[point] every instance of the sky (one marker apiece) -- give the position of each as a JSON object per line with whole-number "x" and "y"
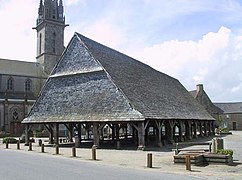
{"x": 194, "y": 41}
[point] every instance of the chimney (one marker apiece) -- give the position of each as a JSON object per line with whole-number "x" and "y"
{"x": 199, "y": 88}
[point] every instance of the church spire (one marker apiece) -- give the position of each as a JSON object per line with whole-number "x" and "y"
{"x": 50, "y": 33}
{"x": 40, "y": 12}
{"x": 61, "y": 3}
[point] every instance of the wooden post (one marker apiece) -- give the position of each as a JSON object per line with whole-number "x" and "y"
{"x": 141, "y": 136}
{"x": 30, "y": 146}
{"x": 27, "y": 129}
{"x": 74, "y": 151}
{"x": 56, "y": 133}
{"x": 188, "y": 163}
{"x": 57, "y": 149}
{"x": 18, "y": 145}
{"x": 96, "y": 140}
{"x": 149, "y": 160}
{"x": 94, "y": 153}
{"x": 42, "y": 148}
{"x": 7, "y": 144}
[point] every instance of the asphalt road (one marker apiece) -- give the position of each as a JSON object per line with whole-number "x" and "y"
{"x": 16, "y": 165}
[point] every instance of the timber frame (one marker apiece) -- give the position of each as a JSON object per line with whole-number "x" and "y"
{"x": 155, "y": 133}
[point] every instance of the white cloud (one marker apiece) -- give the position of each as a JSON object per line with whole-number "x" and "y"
{"x": 74, "y": 2}
{"x": 105, "y": 32}
{"x": 213, "y": 60}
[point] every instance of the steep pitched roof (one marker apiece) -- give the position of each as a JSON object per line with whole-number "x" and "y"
{"x": 21, "y": 68}
{"x": 202, "y": 97}
{"x": 235, "y": 107}
{"x": 92, "y": 82}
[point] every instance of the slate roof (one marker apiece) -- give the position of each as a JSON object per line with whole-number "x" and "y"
{"x": 235, "y": 107}
{"x": 21, "y": 68}
{"x": 92, "y": 82}
{"x": 205, "y": 101}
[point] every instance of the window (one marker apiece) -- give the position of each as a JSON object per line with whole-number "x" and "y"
{"x": 28, "y": 84}
{"x": 40, "y": 42}
{"x": 53, "y": 42}
{"x": 10, "y": 84}
{"x": 15, "y": 115}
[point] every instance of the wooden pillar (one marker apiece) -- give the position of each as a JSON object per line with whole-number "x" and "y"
{"x": 141, "y": 135}
{"x": 213, "y": 127}
{"x": 96, "y": 137}
{"x": 169, "y": 131}
{"x": 126, "y": 131}
{"x": 195, "y": 129}
{"x": 51, "y": 134}
{"x": 188, "y": 130}
{"x": 27, "y": 131}
{"x": 117, "y": 131}
{"x": 71, "y": 127}
{"x": 200, "y": 129}
{"x": 159, "y": 128}
{"x": 79, "y": 135}
{"x": 181, "y": 130}
{"x": 206, "y": 128}
{"x": 113, "y": 131}
{"x": 56, "y": 133}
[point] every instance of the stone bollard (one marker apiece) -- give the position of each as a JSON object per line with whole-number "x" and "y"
{"x": 73, "y": 151}
{"x": 188, "y": 163}
{"x": 56, "y": 149}
{"x": 217, "y": 143}
{"x": 42, "y": 148}
{"x": 220, "y": 143}
{"x": 7, "y": 144}
{"x": 94, "y": 153}
{"x": 18, "y": 145}
{"x": 149, "y": 160}
{"x": 30, "y": 146}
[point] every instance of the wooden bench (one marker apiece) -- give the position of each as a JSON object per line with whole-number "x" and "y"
{"x": 178, "y": 146}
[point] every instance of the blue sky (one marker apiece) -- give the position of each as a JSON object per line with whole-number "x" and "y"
{"x": 195, "y": 41}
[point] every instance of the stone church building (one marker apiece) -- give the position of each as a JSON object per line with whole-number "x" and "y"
{"x": 20, "y": 81}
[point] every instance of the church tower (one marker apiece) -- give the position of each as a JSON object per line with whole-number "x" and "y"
{"x": 50, "y": 33}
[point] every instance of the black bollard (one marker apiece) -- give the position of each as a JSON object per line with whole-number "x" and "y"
{"x": 73, "y": 151}
{"x": 7, "y": 144}
{"x": 30, "y": 146}
{"x": 149, "y": 160}
{"x": 42, "y": 148}
{"x": 18, "y": 145}
{"x": 56, "y": 149}
{"x": 94, "y": 153}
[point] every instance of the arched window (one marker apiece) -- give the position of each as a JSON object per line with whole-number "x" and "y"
{"x": 15, "y": 115}
{"x": 28, "y": 84}
{"x": 10, "y": 84}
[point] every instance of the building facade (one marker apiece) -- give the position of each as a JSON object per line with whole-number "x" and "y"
{"x": 201, "y": 96}
{"x": 20, "y": 81}
{"x": 232, "y": 116}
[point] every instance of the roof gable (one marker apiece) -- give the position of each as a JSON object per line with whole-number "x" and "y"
{"x": 235, "y": 107}
{"x": 77, "y": 59}
{"x": 100, "y": 84}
